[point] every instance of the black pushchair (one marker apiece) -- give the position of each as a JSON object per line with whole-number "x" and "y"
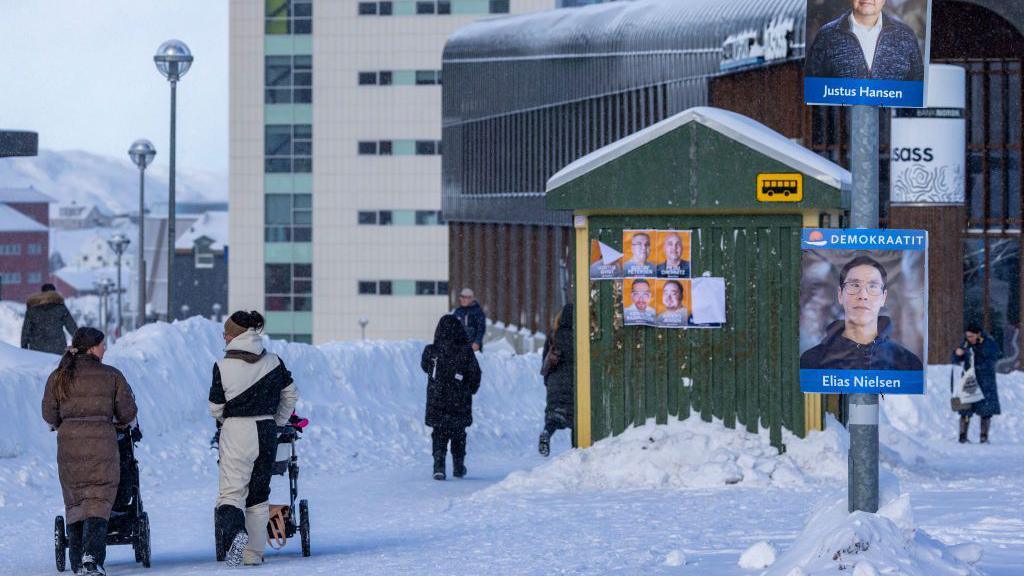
{"x": 282, "y": 525}
{"x": 129, "y": 523}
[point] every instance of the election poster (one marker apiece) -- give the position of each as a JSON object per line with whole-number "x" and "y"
{"x": 605, "y": 261}
{"x": 673, "y": 254}
{"x": 638, "y": 307}
{"x": 640, "y": 253}
{"x": 863, "y": 311}
{"x": 672, "y": 303}
{"x": 867, "y": 52}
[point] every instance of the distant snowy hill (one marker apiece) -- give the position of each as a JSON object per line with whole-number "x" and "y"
{"x": 111, "y": 183}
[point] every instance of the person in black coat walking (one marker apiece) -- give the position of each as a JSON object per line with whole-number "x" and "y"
{"x": 46, "y": 319}
{"x": 559, "y": 371}
{"x": 984, "y": 351}
{"x": 453, "y": 377}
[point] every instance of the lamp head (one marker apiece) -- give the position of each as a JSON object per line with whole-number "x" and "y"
{"x": 173, "y": 59}
{"x": 142, "y": 152}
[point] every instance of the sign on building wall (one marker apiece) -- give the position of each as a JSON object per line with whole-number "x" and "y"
{"x": 863, "y": 311}
{"x": 929, "y": 144}
{"x": 867, "y": 52}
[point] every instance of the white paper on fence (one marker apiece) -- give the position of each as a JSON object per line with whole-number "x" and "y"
{"x": 608, "y": 254}
{"x": 708, "y": 300}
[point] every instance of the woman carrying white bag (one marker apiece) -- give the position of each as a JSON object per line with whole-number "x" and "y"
{"x": 976, "y": 390}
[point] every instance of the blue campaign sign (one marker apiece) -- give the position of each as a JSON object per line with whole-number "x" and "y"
{"x": 867, "y": 53}
{"x": 864, "y": 311}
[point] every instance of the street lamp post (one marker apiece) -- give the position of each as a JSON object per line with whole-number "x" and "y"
{"x": 362, "y": 326}
{"x": 103, "y": 287}
{"x": 216, "y": 311}
{"x": 118, "y": 243}
{"x": 141, "y": 153}
{"x": 172, "y": 59}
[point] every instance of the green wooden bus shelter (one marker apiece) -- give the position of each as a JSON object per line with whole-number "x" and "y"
{"x": 732, "y": 182}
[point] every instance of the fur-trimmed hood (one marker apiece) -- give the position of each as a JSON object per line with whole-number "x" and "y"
{"x": 44, "y": 298}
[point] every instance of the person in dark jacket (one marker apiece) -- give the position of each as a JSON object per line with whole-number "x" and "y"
{"x": 862, "y": 340}
{"x": 83, "y": 401}
{"x": 865, "y": 43}
{"x": 453, "y": 377}
{"x": 559, "y": 371}
{"x": 471, "y": 316}
{"x": 252, "y": 393}
{"x": 46, "y": 318}
{"x": 982, "y": 349}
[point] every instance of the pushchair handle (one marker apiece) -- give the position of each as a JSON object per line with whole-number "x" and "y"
{"x": 289, "y": 432}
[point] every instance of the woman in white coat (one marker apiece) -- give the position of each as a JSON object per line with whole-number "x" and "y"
{"x": 252, "y": 393}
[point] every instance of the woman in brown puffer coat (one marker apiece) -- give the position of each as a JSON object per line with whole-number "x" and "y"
{"x": 83, "y": 401}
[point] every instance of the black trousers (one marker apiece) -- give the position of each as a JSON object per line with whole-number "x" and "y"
{"x": 441, "y": 436}
{"x": 87, "y": 538}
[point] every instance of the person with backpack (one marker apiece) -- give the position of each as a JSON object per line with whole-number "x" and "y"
{"x": 453, "y": 377}
{"x": 251, "y": 395}
{"x": 979, "y": 351}
{"x": 83, "y": 401}
{"x": 559, "y": 371}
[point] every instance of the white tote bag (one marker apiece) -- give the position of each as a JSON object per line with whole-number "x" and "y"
{"x": 967, "y": 389}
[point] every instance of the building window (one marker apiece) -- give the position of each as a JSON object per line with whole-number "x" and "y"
{"x": 386, "y": 8}
{"x": 426, "y": 7}
{"x": 425, "y": 288}
{"x": 288, "y": 148}
{"x": 385, "y": 147}
{"x": 498, "y": 6}
{"x": 367, "y": 78}
{"x": 402, "y": 287}
{"x": 367, "y": 8}
{"x": 426, "y": 217}
{"x": 444, "y": 7}
{"x": 10, "y": 249}
{"x": 288, "y": 79}
{"x": 288, "y": 287}
{"x": 288, "y": 217}
{"x": 385, "y": 77}
{"x": 366, "y": 287}
{"x": 204, "y": 260}
{"x": 403, "y": 217}
{"x": 385, "y": 287}
{"x": 366, "y": 218}
{"x": 289, "y": 17}
{"x": 35, "y": 249}
{"x": 9, "y": 278}
{"x": 427, "y": 147}
{"x": 367, "y": 148}
{"x": 385, "y": 217}
{"x": 35, "y": 278}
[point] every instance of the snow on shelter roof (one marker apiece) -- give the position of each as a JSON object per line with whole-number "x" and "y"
{"x": 742, "y": 129}
{"x": 23, "y": 195}
{"x": 212, "y": 224}
{"x": 13, "y": 221}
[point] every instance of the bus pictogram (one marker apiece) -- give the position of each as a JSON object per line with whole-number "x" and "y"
{"x": 780, "y": 187}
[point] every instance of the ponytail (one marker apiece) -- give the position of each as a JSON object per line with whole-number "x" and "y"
{"x": 241, "y": 321}
{"x": 84, "y": 340}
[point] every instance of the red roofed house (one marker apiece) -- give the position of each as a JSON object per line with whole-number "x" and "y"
{"x": 24, "y": 242}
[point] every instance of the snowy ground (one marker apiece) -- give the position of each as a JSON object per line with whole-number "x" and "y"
{"x": 689, "y": 498}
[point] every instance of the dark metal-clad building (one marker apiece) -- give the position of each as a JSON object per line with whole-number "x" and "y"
{"x": 526, "y": 95}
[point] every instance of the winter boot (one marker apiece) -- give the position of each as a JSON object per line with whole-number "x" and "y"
{"x": 90, "y": 567}
{"x": 94, "y": 545}
{"x": 544, "y": 447}
{"x": 237, "y": 550}
{"x": 250, "y": 558}
{"x": 965, "y": 422}
{"x": 439, "y": 466}
{"x": 985, "y": 423}
{"x": 75, "y": 546}
{"x": 439, "y": 449}
{"x": 459, "y": 467}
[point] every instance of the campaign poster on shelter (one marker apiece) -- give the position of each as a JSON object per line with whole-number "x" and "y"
{"x": 708, "y": 309}
{"x": 863, "y": 311}
{"x": 867, "y": 52}
{"x": 638, "y": 302}
{"x": 672, "y": 302}
{"x": 673, "y": 254}
{"x": 605, "y": 261}
{"x": 640, "y": 253}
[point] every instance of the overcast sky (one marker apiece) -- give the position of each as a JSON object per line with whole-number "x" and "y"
{"x": 81, "y": 74}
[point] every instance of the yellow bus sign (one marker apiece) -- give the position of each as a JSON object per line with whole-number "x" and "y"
{"x": 780, "y": 187}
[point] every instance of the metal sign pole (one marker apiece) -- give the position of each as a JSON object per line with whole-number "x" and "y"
{"x": 863, "y": 408}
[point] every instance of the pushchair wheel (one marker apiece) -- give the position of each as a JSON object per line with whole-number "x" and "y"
{"x": 141, "y": 543}
{"x": 60, "y": 543}
{"x": 304, "y": 526}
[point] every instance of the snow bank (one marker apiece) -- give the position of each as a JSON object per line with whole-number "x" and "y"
{"x": 927, "y": 419}
{"x": 684, "y": 455}
{"x": 862, "y": 544}
{"x": 365, "y": 400}
{"x": 11, "y": 316}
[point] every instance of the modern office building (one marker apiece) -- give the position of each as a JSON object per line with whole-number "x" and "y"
{"x": 335, "y": 163}
{"x": 526, "y": 95}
